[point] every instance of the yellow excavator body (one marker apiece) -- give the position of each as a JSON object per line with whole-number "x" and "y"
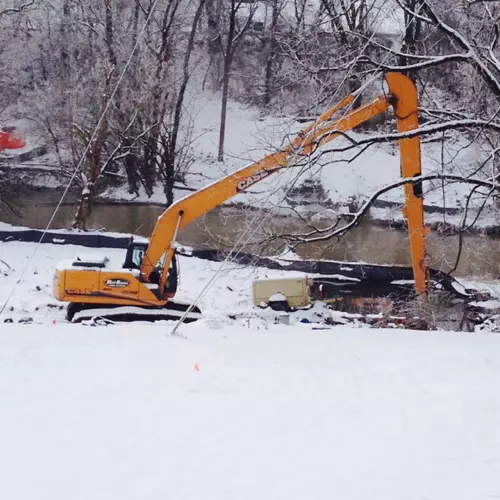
{"x": 95, "y": 285}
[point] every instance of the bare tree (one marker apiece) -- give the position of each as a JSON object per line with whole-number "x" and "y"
{"x": 75, "y": 52}
{"x": 171, "y": 135}
{"x": 272, "y": 46}
{"x": 235, "y": 33}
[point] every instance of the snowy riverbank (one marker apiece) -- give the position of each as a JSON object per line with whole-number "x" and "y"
{"x": 236, "y": 406}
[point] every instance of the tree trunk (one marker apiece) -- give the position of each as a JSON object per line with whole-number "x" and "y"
{"x": 223, "y": 112}
{"x": 354, "y": 83}
{"x": 94, "y": 160}
{"x": 214, "y": 43}
{"x": 65, "y": 63}
{"x": 412, "y": 33}
{"x": 110, "y": 33}
{"x": 170, "y": 148}
{"x": 271, "y": 53}
{"x": 149, "y": 164}
{"x": 131, "y": 164}
{"x": 228, "y": 57}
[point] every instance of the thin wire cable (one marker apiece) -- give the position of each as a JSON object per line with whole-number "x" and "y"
{"x": 79, "y": 165}
{"x": 230, "y": 254}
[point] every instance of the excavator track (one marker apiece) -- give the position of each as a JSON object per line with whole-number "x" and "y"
{"x": 172, "y": 311}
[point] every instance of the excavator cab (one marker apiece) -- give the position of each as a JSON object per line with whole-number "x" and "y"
{"x": 136, "y": 251}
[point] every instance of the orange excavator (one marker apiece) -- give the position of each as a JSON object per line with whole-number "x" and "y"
{"x": 146, "y": 284}
{"x": 10, "y": 140}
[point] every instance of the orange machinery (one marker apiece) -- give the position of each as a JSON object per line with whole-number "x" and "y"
{"x": 147, "y": 282}
{"x": 9, "y": 140}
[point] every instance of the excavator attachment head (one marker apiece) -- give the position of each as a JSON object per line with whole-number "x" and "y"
{"x": 405, "y": 103}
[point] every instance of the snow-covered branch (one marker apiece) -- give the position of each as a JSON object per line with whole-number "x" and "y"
{"x": 421, "y": 131}
{"x": 332, "y": 231}
{"x": 427, "y": 63}
{"x": 16, "y": 10}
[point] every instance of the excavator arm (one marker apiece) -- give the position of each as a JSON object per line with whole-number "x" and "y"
{"x": 402, "y": 96}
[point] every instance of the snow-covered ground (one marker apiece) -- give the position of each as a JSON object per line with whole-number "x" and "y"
{"x": 236, "y": 406}
{"x": 31, "y": 284}
{"x": 129, "y": 413}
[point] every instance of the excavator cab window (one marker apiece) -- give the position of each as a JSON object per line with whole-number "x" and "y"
{"x": 138, "y": 256}
{"x": 135, "y": 255}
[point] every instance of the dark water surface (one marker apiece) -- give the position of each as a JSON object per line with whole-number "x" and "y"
{"x": 223, "y": 227}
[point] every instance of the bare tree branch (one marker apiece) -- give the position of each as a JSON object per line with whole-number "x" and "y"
{"x": 16, "y": 10}
{"x": 333, "y": 231}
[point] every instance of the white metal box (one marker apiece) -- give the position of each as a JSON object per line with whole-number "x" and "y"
{"x": 295, "y": 290}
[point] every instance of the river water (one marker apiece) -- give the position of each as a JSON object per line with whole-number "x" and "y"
{"x": 225, "y": 226}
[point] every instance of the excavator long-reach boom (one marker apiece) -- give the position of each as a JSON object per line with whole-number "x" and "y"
{"x": 402, "y": 96}
{"x": 148, "y": 278}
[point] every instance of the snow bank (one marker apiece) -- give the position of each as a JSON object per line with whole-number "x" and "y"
{"x": 284, "y": 413}
{"x": 32, "y": 296}
{"x": 236, "y": 407}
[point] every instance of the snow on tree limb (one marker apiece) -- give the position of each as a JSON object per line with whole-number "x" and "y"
{"x": 16, "y": 10}
{"x": 421, "y": 131}
{"x": 332, "y": 231}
